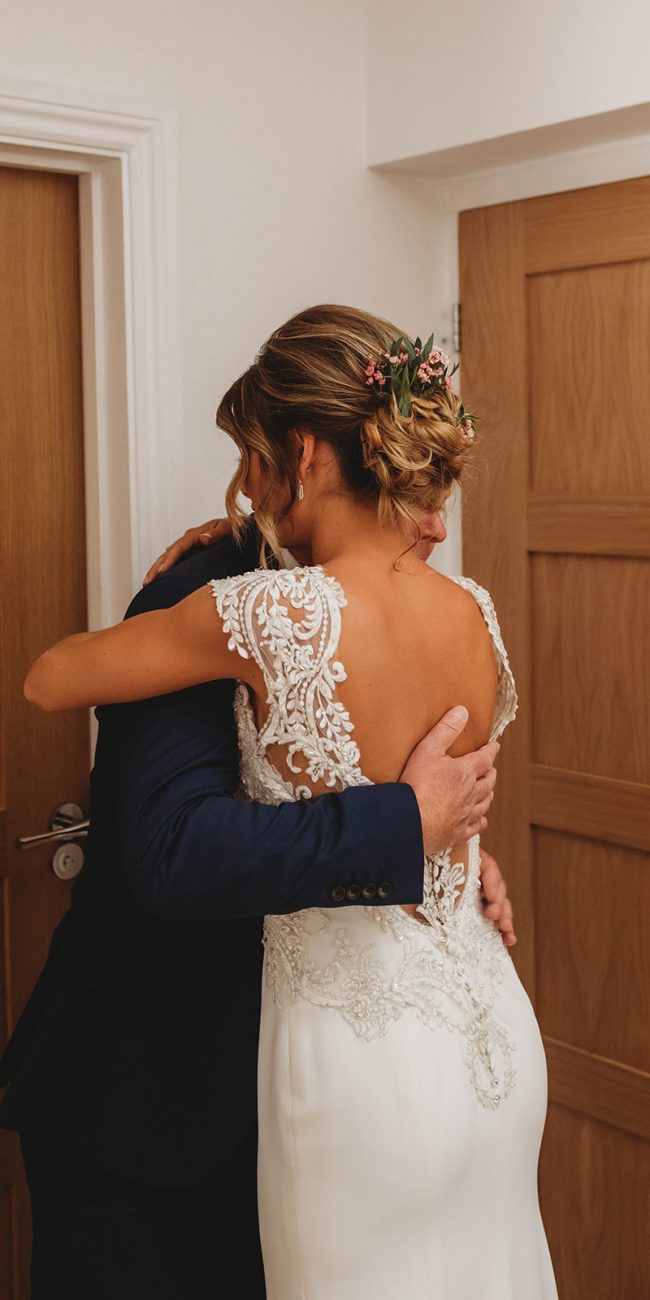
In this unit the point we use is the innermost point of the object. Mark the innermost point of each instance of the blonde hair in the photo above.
(310, 375)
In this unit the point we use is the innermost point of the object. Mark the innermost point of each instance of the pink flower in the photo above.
(370, 381)
(378, 374)
(403, 356)
(449, 383)
(423, 372)
(439, 358)
(370, 369)
(381, 379)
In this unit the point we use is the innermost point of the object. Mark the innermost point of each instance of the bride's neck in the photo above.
(347, 528)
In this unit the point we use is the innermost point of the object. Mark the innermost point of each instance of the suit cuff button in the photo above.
(385, 889)
(353, 892)
(337, 893)
(369, 891)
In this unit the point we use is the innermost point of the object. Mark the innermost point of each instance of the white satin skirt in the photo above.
(382, 1176)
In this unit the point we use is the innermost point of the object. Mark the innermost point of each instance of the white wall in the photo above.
(443, 75)
(277, 208)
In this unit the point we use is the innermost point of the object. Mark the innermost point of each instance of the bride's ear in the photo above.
(306, 445)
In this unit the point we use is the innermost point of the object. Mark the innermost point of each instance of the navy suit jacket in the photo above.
(139, 1045)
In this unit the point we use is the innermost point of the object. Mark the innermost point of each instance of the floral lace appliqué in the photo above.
(447, 973)
(297, 657)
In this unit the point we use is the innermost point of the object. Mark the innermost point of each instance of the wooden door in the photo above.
(556, 356)
(43, 758)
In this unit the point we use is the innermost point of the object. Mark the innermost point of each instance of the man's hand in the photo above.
(496, 904)
(453, 794)
(204, 535)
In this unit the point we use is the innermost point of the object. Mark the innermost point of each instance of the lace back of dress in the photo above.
(289, 622)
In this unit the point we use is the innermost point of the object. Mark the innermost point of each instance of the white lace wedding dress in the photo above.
(402, 1078)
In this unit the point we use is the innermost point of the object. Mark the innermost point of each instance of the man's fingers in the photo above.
(217, 529)
(482, 807)
(483, 759)
(174, 553)
(484, 788)
(501, 915)
(497, 905)
(494, 891)
(446, 731)
(155, 568)
(205, 534)
(473, 828)
(165, 561)
(506, 926)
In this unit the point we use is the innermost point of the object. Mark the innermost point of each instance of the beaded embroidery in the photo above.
(371, 964)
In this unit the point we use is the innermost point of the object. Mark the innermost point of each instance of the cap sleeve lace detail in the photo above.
(289, 622)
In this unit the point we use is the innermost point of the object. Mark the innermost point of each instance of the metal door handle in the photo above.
(77, 831)
(67, 823)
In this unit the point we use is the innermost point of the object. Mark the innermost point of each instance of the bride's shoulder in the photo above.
(460, 595)
(477, 601)
(480, 595)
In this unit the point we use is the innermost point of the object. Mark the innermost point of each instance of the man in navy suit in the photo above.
(133, 1069)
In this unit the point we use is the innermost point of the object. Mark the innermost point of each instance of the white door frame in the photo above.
(125, 154)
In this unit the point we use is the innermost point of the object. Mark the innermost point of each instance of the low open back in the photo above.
(289, 623)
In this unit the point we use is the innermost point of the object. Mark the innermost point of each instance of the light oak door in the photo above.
(43, 758)
(556, 357)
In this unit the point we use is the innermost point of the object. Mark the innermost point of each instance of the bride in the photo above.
(402, 1080)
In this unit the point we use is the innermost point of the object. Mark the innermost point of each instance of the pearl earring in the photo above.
(301, 490)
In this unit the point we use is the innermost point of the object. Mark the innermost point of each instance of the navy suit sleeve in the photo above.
(191, 848)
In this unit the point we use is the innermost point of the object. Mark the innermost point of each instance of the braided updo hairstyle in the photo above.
(310, 375)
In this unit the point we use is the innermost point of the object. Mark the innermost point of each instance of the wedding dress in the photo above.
(402, 1078)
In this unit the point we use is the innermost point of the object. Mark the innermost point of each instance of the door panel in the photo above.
(42, 589)
(585, 1161)
(590, 961)
(589, 379)
(556, 323)
(591, 614)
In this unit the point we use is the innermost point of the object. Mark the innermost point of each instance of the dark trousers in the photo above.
(99, 1237)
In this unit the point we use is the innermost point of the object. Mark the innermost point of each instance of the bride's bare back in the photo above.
(413, 644)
